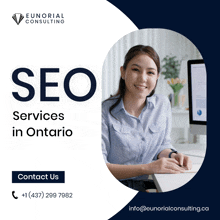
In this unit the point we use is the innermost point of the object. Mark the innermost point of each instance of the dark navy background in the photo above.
(35, 176)
(199, 22)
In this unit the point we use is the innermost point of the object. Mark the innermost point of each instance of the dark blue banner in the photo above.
(196, 21)
(38, 176)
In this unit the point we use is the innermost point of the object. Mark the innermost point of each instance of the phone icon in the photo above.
(13, 194)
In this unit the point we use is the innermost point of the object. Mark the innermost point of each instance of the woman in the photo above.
(136, 124)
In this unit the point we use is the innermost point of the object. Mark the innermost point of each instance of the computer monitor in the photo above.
(197, 78)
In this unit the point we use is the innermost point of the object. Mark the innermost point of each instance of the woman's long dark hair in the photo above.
(134, 51)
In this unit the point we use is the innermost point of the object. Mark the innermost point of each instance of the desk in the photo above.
(168, 182)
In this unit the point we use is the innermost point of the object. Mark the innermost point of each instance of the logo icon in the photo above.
(13, 194)
(18, 17)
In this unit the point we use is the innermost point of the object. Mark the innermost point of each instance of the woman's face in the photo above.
(140, 76)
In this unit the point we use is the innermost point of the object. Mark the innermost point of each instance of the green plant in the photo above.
(176, 84)
(170, 67)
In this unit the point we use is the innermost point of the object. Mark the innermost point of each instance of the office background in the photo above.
(165, 42)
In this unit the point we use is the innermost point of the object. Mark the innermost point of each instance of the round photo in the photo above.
(154, 110)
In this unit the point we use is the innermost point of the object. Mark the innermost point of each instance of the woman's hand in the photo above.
(183, 160)
(165, 165)
(162, 165)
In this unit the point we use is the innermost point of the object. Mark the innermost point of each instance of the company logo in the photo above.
(39, 18)
(18, 17)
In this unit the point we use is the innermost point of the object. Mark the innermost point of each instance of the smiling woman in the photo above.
(136, 124)
(140, 78)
